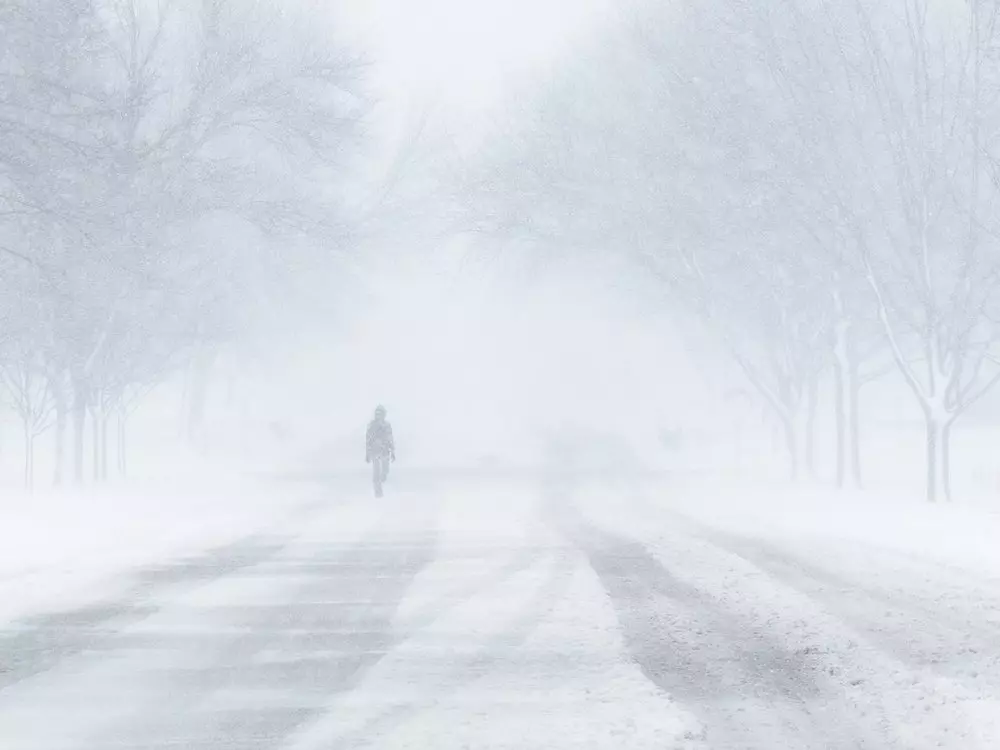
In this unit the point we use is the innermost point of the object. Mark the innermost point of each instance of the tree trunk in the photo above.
(812, 397)
(840, 414)
(847, 384)
(95, 432)
(854, 419)
(79, 427)
(841, 365)
(62, 418)
(27, 455)
(938, 432)
(31, 463)
(104, 446)
(122, 455)
(946, 461)
(792, 446)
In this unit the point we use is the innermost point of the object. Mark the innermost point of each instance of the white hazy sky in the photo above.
(462, 362)
(462, 55)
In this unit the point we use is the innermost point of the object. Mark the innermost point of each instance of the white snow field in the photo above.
(646, 614)
(64, 547)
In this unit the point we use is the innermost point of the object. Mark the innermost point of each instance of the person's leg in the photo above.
(377, 476)
(385, 468)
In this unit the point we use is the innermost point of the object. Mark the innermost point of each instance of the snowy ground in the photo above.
(528, 615)
(64, 547)
(802, 619)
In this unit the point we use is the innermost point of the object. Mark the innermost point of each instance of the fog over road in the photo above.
(514, 616)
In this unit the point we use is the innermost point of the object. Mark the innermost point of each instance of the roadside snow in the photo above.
(963, 535)
(887, 611)
(62, 549)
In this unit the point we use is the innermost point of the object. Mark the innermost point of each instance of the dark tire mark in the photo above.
(920, 632)
(660, 614)
(748, 689)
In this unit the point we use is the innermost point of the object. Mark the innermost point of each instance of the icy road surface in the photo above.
(515, 618)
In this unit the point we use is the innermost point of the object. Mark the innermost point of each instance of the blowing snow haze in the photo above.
(683, 319)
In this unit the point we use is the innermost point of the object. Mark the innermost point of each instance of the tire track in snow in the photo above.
(949, 638)
(910, 703)
(930, 617)
(445, 604)
(748, 688)
(33, 645)
(318, 642)
(461, 671)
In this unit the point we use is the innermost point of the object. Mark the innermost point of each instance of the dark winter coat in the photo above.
(378, 440)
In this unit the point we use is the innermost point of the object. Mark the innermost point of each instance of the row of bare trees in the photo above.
(164, 165)
(817, 180)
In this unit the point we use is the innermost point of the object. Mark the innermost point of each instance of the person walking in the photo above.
(380, 449)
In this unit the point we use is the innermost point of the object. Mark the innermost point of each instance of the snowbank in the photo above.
(61, 548)
(963, 534)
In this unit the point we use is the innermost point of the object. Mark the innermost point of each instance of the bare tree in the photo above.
(930, 253)
(133, 130)
(24, 378)
(651, 149)
(724, 144)
(896, 105)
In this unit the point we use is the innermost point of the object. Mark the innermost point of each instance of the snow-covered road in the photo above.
(516, 617)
